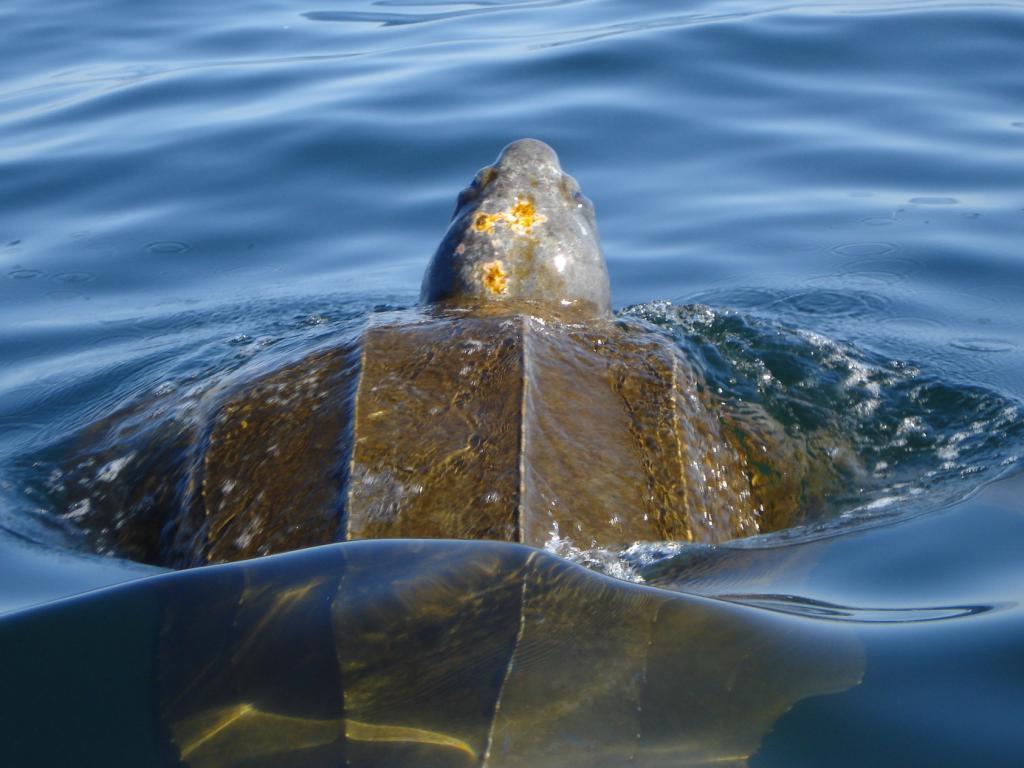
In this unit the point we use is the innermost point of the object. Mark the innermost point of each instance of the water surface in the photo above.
(821, 202)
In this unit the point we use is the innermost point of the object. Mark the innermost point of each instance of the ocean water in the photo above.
(822, 203)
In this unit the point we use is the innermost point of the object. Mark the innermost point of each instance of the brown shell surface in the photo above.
(460, 425)
(491, 427)
(272, 466)
(517, 429)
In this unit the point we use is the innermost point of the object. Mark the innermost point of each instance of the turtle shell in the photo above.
(448, 424)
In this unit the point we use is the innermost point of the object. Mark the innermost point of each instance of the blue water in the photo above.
(823, 201)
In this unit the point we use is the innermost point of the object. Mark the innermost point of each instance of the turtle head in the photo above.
(522, 234)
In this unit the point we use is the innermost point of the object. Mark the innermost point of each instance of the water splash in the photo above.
(926, 438)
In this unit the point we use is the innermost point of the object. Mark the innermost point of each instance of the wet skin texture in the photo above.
(522, 233)
(512, 406)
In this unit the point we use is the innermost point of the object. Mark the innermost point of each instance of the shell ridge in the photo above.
(525, 363)
(486, 762)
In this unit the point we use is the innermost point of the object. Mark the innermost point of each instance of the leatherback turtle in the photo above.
(511, 405)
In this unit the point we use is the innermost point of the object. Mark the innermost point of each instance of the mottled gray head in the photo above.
(522, 234)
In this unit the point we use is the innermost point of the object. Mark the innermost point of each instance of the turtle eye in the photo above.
(484, 177)
(572, 195)
(583, 200)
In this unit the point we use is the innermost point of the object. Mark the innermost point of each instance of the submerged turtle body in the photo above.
(511, 405)
(421, 654)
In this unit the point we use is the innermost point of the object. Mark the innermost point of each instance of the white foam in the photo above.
(108, 472)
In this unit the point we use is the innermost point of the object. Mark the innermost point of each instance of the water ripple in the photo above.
(934, 200)
(819, 609)
(860, 249)
(388, 19)
(833, 303)
(167, 247)
(983, 345)
(595, 33)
